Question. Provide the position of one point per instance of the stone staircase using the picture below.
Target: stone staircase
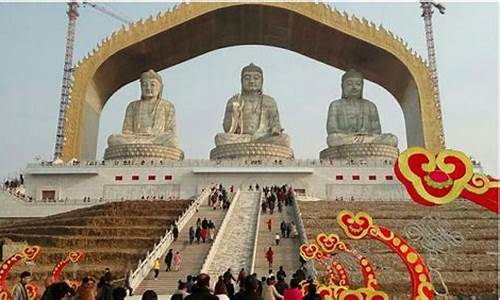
(193, 256)
(235, 250)
(286, 254)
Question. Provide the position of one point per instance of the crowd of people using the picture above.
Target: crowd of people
(172, 263)
(276, 196)
(13, 183)
(203, 231)
(14, 186)
(219, 197)
(250, 287)
(88, 289)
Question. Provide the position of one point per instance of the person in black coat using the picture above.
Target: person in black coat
(312, 294)
(202, 291)
(204, 223)
(249, 292)
(168, 260)
(58, 291)
(191, 234)
(175, 232)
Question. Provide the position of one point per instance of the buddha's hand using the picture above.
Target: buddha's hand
(236, 108)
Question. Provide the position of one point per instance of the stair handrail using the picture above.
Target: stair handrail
(255, 243)
(301, 230)
(215, 244)
(145, 265)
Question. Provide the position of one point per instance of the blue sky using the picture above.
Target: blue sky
(32, 43)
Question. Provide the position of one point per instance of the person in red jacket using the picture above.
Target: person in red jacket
(269, 257)
(269, 224)
(293, 293)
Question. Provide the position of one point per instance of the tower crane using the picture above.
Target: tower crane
(427, 11)
(72, 13)
(107, 11)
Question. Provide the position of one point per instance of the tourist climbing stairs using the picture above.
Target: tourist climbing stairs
(193, 255)
(286, 254)
(235, 245)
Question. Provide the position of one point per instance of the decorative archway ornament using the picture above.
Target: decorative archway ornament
(322, 252)
(439, 179)
(361, 226)
(29, 254)
(72, 257)
(192, 29)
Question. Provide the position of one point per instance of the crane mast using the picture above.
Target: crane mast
(68, 67)
(427, 11)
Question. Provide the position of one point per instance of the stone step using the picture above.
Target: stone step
(193, 255)
(286, 254)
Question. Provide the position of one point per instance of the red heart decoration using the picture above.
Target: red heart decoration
(308, 251)
(327, 243)
(75, 256)
(30, 253)
(355, 227)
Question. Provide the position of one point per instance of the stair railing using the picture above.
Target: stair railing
(257, 227)
(301, 230)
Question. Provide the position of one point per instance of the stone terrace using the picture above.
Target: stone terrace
(470, 268)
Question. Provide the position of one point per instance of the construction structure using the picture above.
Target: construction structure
(68, 67)
(427, 11)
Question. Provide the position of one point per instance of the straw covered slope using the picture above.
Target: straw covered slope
(462, 235)
(114, 235)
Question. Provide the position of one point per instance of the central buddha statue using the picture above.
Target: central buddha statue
(251, 123)
(353, 125)
(252, 116)
(149, 125)
(353, 119)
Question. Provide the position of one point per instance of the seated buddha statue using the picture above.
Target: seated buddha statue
(353, 119)
(149, 120)
(251, 116)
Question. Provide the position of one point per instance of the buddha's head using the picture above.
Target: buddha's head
(352, 85)
(151, 85)
(251, 79)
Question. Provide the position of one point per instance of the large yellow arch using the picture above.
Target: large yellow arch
(193, 29)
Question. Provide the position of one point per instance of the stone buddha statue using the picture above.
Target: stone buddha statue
(150, 120)
(251, 116)
(353, 119)
(149, 126)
